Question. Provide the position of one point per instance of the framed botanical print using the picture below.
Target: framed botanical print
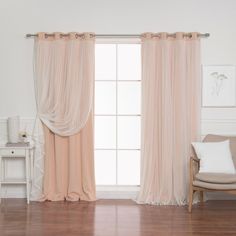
(218, 86)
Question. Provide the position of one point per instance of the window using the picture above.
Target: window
(117, 114)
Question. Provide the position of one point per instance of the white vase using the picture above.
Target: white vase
(13, 125)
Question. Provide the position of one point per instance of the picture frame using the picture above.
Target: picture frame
(218, 86)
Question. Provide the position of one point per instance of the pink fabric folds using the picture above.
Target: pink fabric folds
(171, 107)
(69, 165)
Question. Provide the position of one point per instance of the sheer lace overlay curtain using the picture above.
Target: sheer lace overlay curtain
(64, 88)
(171, 108)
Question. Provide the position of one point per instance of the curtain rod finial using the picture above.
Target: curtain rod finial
(28, 35)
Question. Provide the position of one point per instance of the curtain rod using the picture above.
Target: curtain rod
(205, 35)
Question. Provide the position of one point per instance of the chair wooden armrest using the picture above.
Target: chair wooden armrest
(195, 159)
(194, 167)
(193, 170)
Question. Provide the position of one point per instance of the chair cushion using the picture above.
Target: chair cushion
(217, 178)
(214, 186)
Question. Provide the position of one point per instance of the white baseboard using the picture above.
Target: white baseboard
(103, 192)
(220, 196)
(117, 195)
(19, 192)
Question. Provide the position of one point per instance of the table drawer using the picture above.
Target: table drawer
(12, 152)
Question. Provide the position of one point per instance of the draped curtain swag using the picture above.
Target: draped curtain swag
(64, 88)
(171, 92)
(64, 71)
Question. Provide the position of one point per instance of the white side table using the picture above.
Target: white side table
(13, 153)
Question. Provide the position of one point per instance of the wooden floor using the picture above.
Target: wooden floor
(115, 217)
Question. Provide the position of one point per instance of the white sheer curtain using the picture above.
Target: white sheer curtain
(38, 167)
(64, 74)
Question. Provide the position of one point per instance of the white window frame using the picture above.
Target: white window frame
(117, 191)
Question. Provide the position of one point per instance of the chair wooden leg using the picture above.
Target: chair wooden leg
(201, 196)
(190, 198)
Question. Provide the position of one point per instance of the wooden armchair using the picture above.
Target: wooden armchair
(200, 182)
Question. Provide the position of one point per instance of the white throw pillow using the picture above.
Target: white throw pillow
(215, 157)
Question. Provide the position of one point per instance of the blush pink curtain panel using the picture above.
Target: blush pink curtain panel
(69, 165)
(171, 107)
(64, 86)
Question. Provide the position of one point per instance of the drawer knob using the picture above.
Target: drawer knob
(12, 152)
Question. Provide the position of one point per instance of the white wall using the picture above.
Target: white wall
(109, 16)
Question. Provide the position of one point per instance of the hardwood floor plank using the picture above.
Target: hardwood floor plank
(115, 217)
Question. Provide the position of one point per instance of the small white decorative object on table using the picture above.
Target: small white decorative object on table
(27, 152)
(13, 126)
(215, 157)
